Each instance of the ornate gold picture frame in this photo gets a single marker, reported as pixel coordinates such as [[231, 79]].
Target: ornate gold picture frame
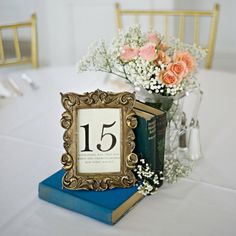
[[98, 140]]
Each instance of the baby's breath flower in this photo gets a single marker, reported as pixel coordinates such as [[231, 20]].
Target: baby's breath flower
[[173, 170], [148, 181]]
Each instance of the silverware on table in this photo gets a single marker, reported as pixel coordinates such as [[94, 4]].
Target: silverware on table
[[32, 84]]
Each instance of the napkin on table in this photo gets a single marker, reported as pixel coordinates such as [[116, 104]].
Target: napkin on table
[[4, 92]]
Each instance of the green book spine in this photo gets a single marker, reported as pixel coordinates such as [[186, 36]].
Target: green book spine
[[145, 140], [161, 123]]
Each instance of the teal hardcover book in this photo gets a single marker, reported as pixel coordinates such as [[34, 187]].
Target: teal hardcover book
[[161, 132], [161, 123], [106, 206], [145, 137]]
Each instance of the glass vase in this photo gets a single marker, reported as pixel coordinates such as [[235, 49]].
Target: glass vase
[[174, 129], [182, 140]]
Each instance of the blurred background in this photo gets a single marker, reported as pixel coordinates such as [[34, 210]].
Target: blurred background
[[67, 27]]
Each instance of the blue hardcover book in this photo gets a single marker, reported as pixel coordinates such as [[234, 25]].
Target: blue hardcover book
[[106, 206]]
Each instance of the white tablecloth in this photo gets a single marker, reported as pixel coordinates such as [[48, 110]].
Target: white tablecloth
[[31, 148]]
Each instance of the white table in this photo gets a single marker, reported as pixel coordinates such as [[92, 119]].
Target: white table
[[31, 147]]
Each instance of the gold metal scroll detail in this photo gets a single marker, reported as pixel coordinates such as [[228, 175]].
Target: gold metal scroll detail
[[72, 179]]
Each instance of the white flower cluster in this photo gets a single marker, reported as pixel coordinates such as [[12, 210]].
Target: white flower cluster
[[149, 182], [140, 71], [173, 170], [97, 59]]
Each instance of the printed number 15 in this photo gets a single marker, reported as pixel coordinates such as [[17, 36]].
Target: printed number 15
[[99, 146]]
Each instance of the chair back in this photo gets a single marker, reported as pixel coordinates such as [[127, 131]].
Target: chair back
[[18, 58], [181, 15]]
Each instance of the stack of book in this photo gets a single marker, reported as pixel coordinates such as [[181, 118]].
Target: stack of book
[[110, 205], [150, 135]]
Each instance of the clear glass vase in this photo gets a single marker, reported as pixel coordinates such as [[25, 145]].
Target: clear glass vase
[[174, 129], [182, 142]]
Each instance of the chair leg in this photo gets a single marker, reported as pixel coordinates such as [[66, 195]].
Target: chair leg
[[34, 43]]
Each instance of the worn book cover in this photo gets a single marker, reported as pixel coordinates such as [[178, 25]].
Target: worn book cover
[[161, 122], [106, 206], [145, 137]]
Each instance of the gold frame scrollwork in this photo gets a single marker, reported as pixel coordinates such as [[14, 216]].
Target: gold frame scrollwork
[[98, 99]]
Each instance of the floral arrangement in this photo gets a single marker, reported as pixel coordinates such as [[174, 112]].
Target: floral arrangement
[[147, 60], [163, 67]]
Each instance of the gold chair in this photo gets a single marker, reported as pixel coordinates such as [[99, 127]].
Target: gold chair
[[19, 59], [181, 14]]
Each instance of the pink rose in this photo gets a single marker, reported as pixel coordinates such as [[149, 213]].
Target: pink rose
[[161, 56], [179, 68], [186, 58], [152, 38], [169, 78], [128, 53], [148, 52]]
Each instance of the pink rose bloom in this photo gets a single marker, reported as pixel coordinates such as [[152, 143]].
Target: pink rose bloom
[[169, 78], [161, 56], [148, 52], [152, 38], [186, 58], [128, 53], [179, 68]]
